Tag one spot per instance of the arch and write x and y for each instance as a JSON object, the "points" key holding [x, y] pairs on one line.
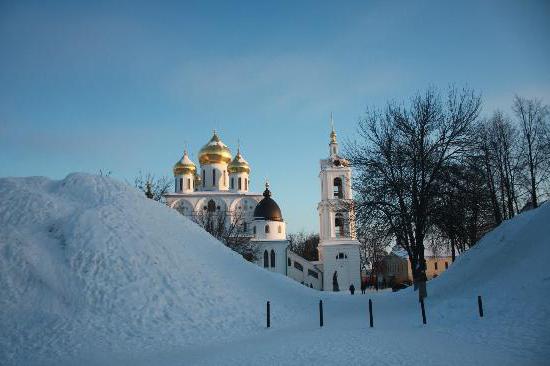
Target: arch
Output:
{"points": [[266, 229], [266, 259], [183, 207], [337, 188], [335, 286], [272, 258], [339, 225], [211, 206]]}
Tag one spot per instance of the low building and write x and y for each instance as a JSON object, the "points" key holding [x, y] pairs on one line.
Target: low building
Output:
{"points": [[397, 267]]}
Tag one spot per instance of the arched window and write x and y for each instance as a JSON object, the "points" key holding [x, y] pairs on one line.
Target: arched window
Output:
{"points": [[279, 229], [339, 225], [267, 229], [189, 183], [337, 188], [181, 184], [245, 184], [224, 178], [254, 229], [203, 177], [240, 183], [272, 258], [232, 183], [266, 259], [211, 206], [213, 177]]}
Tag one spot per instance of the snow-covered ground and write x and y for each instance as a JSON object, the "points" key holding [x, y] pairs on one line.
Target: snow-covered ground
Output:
{"points": [[92, 273]]}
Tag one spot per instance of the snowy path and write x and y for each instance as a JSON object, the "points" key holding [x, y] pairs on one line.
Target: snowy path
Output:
{"points": [[346, 338]]}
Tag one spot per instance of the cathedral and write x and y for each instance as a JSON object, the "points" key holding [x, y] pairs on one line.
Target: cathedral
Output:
{"points": [[221, 187]]}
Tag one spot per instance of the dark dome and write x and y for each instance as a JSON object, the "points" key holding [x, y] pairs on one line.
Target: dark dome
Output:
{"points": [[267, 208]]}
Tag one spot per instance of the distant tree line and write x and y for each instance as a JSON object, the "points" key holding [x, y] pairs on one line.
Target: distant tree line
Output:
{"points": [[433, 168]]}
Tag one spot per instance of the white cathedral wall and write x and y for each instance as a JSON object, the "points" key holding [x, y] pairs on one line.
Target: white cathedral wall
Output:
{"points": [[279, 247], [217, 183], [349, 269]]}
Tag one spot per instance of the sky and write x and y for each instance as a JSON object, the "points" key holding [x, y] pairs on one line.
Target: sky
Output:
{"points": [[125, 86]]}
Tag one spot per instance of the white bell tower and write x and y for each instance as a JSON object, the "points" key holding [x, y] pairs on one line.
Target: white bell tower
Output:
{"points": [[338, 246]]}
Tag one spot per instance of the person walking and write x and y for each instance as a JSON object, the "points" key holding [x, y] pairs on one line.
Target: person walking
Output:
{"points": [[352, 289]]}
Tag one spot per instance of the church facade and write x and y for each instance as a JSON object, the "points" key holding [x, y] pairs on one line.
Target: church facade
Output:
{"points": [[221, 187]]}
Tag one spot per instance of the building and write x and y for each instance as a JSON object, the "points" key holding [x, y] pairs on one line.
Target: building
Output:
{"points": [[221, 188], [397, 267]]}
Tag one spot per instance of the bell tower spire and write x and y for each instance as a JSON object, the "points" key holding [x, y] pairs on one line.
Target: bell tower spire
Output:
{"points": [[333, 144]]}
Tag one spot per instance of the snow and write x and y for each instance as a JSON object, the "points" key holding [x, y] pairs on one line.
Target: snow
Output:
{"points": [[92, 273]]}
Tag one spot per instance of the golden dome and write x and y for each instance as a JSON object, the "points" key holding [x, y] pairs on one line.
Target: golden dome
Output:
{"points": [[238, 165], [184, 166], [215, 151]]}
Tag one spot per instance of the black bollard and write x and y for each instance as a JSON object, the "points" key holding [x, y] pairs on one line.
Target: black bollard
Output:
{"points": [[321, 313], [370, 313], [423, 311], [480, 306], [268, 315]]}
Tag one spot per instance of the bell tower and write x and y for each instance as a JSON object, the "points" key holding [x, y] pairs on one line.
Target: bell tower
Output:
{"points": [[338, 246]]}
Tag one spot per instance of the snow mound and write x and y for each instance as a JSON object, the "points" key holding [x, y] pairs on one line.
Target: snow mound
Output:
{"points": [[88, 265]]}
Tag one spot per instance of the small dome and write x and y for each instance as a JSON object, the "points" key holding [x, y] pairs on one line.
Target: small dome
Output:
{"points": [[267, 208], [215, 151], [238, 165], [184, 166]]}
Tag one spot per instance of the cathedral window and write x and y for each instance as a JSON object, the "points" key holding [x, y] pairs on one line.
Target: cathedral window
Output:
{"points": [[232, 183], [254, 229], [189, 184], [272, 258], [203, 177], [341, 256], [289, 262], [337, 188], [266, 259], [298, 266], [213, 177], [267, 229], [240, 184], [211, 206], [312, 273], [181, 184], [224, 173], [339, 225], [279, 229]]}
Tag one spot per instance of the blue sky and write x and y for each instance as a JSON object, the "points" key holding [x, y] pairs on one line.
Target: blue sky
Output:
{"points": [[124, 85]]}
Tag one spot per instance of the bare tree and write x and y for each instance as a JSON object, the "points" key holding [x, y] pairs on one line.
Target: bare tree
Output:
{"points": [[532, 117], [152, 187], [399, 160], [230, 229], [304, 244]]}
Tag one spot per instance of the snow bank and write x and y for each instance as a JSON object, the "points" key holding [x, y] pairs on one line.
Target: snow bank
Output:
{"points": [[87, 264], [92, 273]]}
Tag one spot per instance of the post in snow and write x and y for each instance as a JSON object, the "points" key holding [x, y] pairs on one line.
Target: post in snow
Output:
{"points": [[370, 313], [480, 306], [320, 313], [268, 314]]}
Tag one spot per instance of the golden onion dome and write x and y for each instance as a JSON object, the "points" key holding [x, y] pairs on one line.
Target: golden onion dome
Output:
{"points": [[214, 152], [184, 166], [238, 165]]}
